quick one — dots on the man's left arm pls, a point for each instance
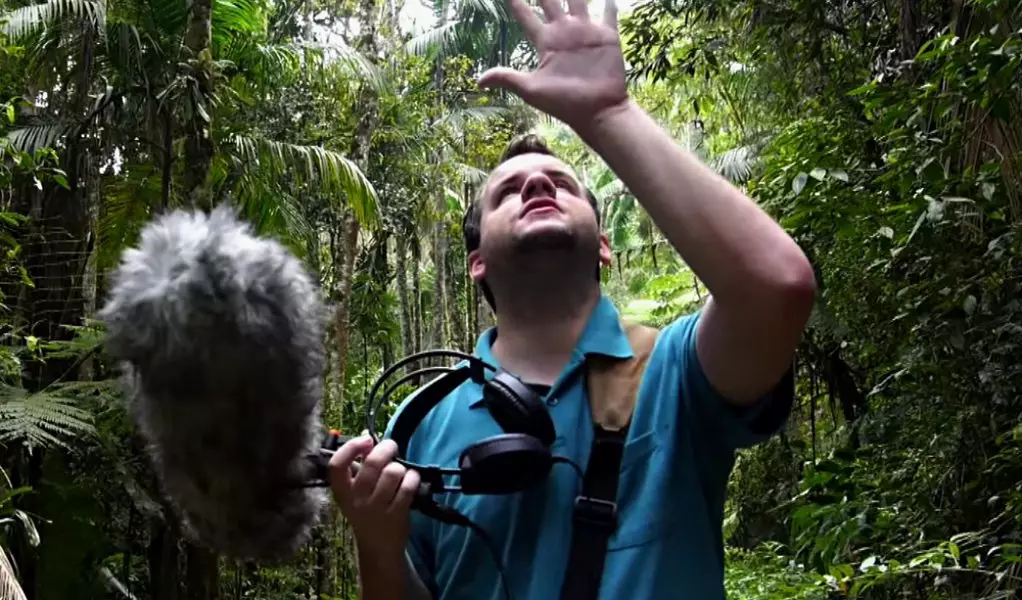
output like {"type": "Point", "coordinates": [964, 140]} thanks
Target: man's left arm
{"type": "Point", "coordinates": [761, 285]}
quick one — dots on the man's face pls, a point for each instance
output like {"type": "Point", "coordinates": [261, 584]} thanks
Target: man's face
{"type": "Point", "coordinates": [534, 203]}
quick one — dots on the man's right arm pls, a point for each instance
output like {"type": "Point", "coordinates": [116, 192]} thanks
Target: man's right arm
{"type": "Point", "coordinates": [376, 499]}
{"type": "Point", "coordinates": [390, 578]}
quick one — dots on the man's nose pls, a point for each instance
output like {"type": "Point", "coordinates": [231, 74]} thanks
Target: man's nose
{"type": "Point", "coordinates": [536, 185]}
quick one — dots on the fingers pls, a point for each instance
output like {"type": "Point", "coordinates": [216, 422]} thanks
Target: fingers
{"type": "Point", "coordinates": [579, 8]}
{"type": "Point", "coordinates": [373, 465]}
{"type": "Point", "coordinates": [406, 493]}
{"type": "Point", "coordinates": [504, 77]}
{"type": "Point", "coordinates": [552, 9]}
{"type": "Point", "coordinates": [387, 484]}
{"type": "Point", "coordinates": [340, 463]}
{"type": "Point", "coordinates": [527, 18]}
{"type": "Point", "coordinates": [610, 14]}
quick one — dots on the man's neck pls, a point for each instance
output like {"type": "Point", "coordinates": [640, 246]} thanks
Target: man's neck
{"type": "Point", "coordinates": [537, 330]}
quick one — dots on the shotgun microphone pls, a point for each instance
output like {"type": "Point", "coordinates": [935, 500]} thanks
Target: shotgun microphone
{"type": "Point", "coordinates": [219, 334]}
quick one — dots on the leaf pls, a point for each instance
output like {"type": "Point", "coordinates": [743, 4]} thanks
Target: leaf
{"type": "Point", "coordinates": [969, 305]}
{"type": "Point", "coordinates": [26, 20]}
{"type": "Point", "coordinates": [818, 173]}
{"type": "Point", "coordinates": [42, 419]}
{"type": "Point", "coordinates": [30, 529]}
{"type": "Point", "coordinates": [839, 174]}
{"type": "Point", "coordinates": [887, 232]}
{"type": "Point", "coordinates": [10, 113]}
{"type": "Point", "coordinates": [799, 183]}
{"type": "Point", "coordinates": [10, 587]}
{"type": "Point", "coordinates": [453, 204]}
{"type": "Point", "coordinates": [335, 174]}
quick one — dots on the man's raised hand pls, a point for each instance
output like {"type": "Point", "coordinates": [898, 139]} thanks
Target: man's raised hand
{"type": "Point", "coordinates": [581, 71]}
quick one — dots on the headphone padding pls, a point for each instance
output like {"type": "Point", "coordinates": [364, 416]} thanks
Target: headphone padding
{"type": "Point", "coordinates": [517, 408]}
{"type": "Point", "coordinates": [504, 464]}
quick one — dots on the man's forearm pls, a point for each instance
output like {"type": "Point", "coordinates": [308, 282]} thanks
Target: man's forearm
{"type": "Point", "coordinates": [382, 577]}
{"type": "Point", "coordinates": [389, 578]}
{"type": "Point", "coordinates": [729, 242]}
{"type": "Point", "coordinates": [761, 284]}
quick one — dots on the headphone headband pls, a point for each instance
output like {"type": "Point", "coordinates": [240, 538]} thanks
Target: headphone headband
{"type": "Point", "coordinates": [497, 465]}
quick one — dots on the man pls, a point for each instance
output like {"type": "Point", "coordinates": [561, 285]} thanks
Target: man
{"type": "Point", "coordinates": [716, 381]}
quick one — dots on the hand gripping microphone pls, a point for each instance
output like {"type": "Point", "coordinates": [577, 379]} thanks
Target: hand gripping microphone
{"type": "Point", "coordinates": [219, 334]}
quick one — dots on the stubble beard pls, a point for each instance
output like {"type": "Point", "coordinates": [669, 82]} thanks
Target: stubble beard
{"type": "Point", "coordinates": [549, 260]}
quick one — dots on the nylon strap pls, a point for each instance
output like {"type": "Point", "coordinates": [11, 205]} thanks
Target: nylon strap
{"type": "Point", "coordinates": [612, 387]}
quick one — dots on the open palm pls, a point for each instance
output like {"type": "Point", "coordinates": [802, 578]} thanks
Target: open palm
{"type": "Point", "coordinates": [581, 69]}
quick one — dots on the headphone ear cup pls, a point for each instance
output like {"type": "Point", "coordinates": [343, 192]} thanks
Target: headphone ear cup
{"type": "Point", "coordinates": [504, 464]}
{"type": "Point", "coordinates": [517, 408]}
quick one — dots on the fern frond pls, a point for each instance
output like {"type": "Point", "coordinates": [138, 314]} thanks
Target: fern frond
{"type": "Point", "coordinates": [41, 419]}
{"type": "Point", "coordinates": [10, 587]}
{"type": "Point", "coordinates": [335, 173]}
{"type": "Point", "coordinates": [27, 19]}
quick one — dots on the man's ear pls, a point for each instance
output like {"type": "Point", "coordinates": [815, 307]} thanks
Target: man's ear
{"type": "Point", "coordinates": [605, 254]}
{"type": "Point", "coordinates": [476, 267]}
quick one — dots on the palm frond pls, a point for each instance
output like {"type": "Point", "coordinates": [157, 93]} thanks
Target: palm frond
{"type": "Point", "coordinates": [489, 9]}
{"type": "Point", "coordinates": [129, 198]}
{"type": "Point", "coordinates": [26, 20]}
{"type": "Point", "coordinates": [167, 17]}
{"type": "Point", "coordinates": [10, 587]}
{"type": "Point", "coordinates": [458, 117]}
{"type": "Point", "coordinates": [273, 210]}
{"type": "Point", "coordinates": [42, 135]}
{"type": "Point", "coordinates": [471, 175]}
{"type": "Point", "coordinates": [443, 38]}
{"type": "Point", "coordinates": [347, 61]}
{"type": "Point", "coordinates": [736, 164]}
{"type": "Point", "coordinates": [237, 17]}
{"type": "Point", "coordinates": [41, 419]}
{"type": "Point", "coordinates": [334, 173]}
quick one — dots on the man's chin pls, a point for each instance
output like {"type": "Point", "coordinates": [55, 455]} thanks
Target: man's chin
{"type": "Point", "coordinates": [543, 239]}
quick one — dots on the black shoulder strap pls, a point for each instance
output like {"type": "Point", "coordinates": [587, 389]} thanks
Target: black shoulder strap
{"type": "Point", "coordinates": [612, 394]}
{"type": "Point", "coordinates": [595, 516]}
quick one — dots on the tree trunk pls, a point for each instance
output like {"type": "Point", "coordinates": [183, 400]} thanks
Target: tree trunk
{"type": "Point", "coordinates": [416, 297]}
{"type": "Point", "coordinates": [402, 296]}
{"type": "Point", "coordinates": [199, 140]}
{"type": "Point", "coordinates": [347, 255]}
{"type": "Point", "coordinates": [201, 567]}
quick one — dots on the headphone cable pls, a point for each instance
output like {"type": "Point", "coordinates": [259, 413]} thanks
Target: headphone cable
{"type": "Point", "coordinates": [492, 547]}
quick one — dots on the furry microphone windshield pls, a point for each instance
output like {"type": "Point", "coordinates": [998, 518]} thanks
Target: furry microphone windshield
{"type": "Point", "coordinates": [220, 336]}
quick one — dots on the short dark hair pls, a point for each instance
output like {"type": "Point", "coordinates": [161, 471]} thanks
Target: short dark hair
{"type": "Point", "coordinates": [528, 143]}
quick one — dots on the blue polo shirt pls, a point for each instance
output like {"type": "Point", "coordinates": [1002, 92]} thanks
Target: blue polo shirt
{"type": "Point", "coordinates": [677, 459]}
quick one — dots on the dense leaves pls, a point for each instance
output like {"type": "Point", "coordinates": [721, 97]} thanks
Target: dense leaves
{"type": "Point", "coordinates": [885, 136]}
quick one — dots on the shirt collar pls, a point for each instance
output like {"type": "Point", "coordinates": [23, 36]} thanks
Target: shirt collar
{"type": "Point", "coordinates": [602, 334]}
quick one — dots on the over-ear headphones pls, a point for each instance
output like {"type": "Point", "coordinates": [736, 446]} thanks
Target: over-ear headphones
{"type": "Point", "coordinates": [502, 464]}
{"type": "Point", "coordinates": [511, 462]}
